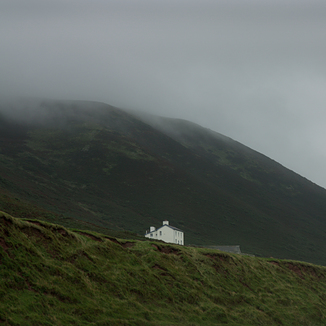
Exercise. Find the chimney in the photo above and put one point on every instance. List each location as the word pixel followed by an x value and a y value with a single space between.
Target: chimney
pixel 165 222
pixel 151 228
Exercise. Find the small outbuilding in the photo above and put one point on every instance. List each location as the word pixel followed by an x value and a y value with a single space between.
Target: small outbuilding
pixel 166 233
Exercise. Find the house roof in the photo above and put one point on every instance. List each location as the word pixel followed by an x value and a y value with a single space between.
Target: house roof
pixel 172 227
pixel 169 226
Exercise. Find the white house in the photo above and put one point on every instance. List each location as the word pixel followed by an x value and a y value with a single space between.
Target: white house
pixel 166 233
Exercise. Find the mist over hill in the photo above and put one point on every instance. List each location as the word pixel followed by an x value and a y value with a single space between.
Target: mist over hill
pixel 88 163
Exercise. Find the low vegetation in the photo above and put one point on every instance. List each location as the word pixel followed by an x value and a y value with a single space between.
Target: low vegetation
pixel 51 275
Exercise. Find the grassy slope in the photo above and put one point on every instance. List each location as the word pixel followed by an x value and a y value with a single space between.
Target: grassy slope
pixel 94 164
pixel 53 276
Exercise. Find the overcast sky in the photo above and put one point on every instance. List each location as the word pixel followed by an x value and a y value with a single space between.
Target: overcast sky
pixel 253 70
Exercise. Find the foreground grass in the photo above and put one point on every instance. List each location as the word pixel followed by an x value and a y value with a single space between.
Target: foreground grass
pixel 53 276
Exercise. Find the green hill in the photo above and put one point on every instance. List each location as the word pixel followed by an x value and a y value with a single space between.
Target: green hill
pixel 50 275
pixel 93 166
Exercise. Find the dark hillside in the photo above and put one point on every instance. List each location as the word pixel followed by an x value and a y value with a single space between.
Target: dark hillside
pixel 51 275
pixel 267 186
pixel 93 164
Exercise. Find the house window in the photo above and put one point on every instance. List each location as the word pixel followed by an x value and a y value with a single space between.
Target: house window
pixel 160 232
pixel 151 234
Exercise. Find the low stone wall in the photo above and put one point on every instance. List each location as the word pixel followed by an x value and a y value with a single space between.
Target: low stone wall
pixel 230 249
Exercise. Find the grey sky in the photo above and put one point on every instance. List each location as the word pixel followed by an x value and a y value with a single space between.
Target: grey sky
pixel 252 70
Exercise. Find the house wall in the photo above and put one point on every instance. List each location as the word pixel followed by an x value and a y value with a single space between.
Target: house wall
pixel 167 234
pixel 177 237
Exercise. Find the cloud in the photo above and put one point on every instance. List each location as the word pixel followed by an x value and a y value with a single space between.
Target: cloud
pixel 251 70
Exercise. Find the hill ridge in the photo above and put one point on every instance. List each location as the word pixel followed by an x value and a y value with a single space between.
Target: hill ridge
pixel 90 164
